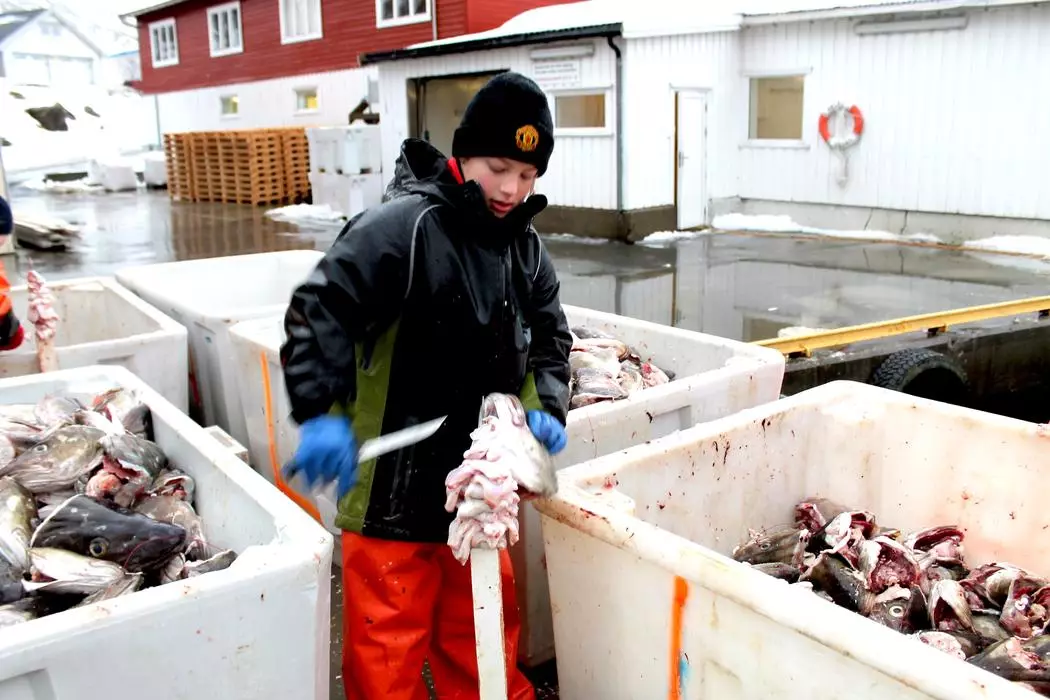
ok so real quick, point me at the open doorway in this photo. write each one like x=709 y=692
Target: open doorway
x=436 y=105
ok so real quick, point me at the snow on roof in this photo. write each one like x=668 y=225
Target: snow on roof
x=637 y=18
x=11 y=22
x=666 y=17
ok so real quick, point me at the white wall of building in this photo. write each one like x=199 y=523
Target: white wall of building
x=45 y=52
x=582 y=170
x=654 y=68
x=953 y=118
x=267 y=103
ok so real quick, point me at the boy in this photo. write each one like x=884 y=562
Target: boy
x=439 y=296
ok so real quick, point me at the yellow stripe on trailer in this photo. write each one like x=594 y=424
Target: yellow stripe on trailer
x=932 y=323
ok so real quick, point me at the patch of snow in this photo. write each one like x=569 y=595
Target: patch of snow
x=795 y=331
x=1029 y=245
x=779 y=223
x=662 y=238
x=79 y=186
x=307 y=213
x=573 y=238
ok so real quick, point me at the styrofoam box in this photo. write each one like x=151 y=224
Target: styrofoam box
x=208 y=296
x=154 y=170
x=344 y=150
x=102 y=323
x=714 y=377
x=259 y=629
x=624 y=526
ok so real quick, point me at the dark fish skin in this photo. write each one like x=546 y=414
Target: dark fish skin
x=135 y=454
x=834 y=576
x=10 y=583
x=58 y=461
x=1008 y=657
x=900 y=609
x=782 y=545
x=88 y=527
x=987 y=626
x=784 y=572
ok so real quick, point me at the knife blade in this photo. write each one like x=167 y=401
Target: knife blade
x=370 y=449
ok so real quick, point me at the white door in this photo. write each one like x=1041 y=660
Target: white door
x=692 y=158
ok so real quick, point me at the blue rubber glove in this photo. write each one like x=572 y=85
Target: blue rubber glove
x=327 y=451
x=548 y=431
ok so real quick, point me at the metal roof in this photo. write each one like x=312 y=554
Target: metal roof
x=153 y=7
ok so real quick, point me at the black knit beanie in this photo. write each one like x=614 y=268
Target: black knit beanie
x=508 y=118
x=7 y=220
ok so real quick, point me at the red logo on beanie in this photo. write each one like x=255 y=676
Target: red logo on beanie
x=527 y=138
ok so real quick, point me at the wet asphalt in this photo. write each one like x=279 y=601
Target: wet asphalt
x=740 y=286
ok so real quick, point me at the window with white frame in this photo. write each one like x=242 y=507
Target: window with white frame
x=391 y=13
x=229 y=105
x=776 y=108
x=224 y=29
x=164 y=43
x=306 y=99
x=580 y=110
x=300 y=20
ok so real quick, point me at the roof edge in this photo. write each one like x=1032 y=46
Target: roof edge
x=155 y=7
x=491 y=42
x=899 y=8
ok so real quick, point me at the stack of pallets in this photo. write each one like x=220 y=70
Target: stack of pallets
x=244 y=166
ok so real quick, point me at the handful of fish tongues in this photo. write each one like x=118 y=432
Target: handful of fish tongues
x=995 y=616
x=503 y=457
x=90 y=507
x=606 y=369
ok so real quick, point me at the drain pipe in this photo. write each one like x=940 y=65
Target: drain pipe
x=434 y=18
x=619 y=124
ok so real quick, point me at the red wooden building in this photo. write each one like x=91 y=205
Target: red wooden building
x=217 y=64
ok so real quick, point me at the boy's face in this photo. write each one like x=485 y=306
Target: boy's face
x=505 y=182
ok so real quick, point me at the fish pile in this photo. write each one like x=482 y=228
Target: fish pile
x=607 y=369
x=90 y=507
x=995 y=616
x=503 y=456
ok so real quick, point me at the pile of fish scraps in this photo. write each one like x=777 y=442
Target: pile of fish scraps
x=995 y=616
x=607 y=369
x=90 y=507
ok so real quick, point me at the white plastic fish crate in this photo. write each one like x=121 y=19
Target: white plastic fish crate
x=208 y=296
x=713 y=378
x=259 y=629
x=625 y=530
x=101 y=323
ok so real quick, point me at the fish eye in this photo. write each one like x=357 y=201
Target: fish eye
x=765 y=545
x=98 y=547
x=897 y=611
x=40 y=448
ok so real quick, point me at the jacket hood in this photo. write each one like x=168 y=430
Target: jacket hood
x=422 y=169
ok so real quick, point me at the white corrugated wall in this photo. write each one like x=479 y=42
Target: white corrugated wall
x=267 y=103
x=582 y=170
x=654 y=68
x=954 y=119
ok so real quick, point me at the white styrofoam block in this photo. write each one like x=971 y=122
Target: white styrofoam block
x=118 y=177
x=101 y=322
x=258 y=629
x=208 y=296
x=626 y=529
x=345 y=150
x=714 y=377
x=154 y=170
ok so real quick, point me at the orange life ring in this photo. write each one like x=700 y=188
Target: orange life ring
x=858 y=124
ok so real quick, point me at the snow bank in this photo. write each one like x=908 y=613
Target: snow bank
x=776 y=223
x=307 y=213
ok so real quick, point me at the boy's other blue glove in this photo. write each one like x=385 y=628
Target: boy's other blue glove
x=548 y=431
x=327 y=451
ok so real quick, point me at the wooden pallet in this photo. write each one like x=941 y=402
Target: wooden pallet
x=247 y=166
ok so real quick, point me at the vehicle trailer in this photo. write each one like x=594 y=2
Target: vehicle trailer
x=994 y=357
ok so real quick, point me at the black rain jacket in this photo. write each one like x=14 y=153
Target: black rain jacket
x=421 y=307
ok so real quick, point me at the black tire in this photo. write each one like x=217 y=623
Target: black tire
x=924 y=373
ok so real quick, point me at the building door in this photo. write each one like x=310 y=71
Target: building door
x=439 y=106
x=691 y=158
